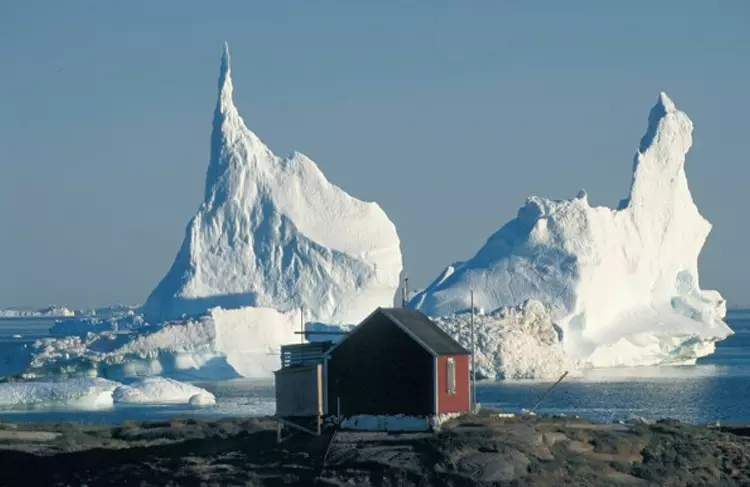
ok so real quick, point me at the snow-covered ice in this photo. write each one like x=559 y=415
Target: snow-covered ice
x=274 y=232
x=622 y=284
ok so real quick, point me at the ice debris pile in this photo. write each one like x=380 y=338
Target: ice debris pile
x=97 y=393
x=622 y=284
x=274 y=232
x=518 y=342
x=222 y=344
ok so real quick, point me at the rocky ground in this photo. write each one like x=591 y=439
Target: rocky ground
x=481 y=450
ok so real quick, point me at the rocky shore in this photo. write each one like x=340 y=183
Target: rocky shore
x=479 y=450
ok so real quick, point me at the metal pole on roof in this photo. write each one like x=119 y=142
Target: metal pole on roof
x=473 y=363
x=302 y=324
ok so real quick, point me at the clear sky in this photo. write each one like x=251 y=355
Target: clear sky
x=448 y=113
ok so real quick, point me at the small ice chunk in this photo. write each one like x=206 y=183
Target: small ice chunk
x=160 y=390
x=202 y=399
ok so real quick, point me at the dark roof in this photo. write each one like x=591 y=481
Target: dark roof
x=425 y=331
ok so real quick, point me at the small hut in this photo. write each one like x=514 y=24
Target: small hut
x=396 y=363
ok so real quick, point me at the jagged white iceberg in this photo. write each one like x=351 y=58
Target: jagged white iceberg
x=622 y=283
x=274 y=232
x=518 y=342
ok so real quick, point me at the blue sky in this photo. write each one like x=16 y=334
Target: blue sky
x=447 y=113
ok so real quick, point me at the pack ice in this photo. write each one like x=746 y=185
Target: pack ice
x=274 y=232
x=622 y=284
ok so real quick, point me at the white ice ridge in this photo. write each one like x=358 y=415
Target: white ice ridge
x=274 y=232
x=622 y=283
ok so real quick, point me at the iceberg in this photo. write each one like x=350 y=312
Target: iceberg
x=273 y=245
x=273 y=232
x=622 y=284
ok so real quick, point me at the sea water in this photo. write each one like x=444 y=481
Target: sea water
x=715 y=389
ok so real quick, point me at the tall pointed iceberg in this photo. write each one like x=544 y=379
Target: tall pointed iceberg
x=622 y=284
x=274 y=232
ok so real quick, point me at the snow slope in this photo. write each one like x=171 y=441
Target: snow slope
x=622 y=283
x=274 y=232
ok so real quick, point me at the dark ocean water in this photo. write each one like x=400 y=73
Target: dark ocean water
x=715 y=389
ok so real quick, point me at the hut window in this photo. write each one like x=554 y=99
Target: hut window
x=451 y=377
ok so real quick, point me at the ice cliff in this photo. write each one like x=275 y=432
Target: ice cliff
x=622 y=284
x=274 y=232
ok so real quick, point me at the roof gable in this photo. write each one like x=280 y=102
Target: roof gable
x=419 y=327
x=426 y=331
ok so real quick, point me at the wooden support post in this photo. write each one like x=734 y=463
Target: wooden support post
x=546 y=393
x=473 y=362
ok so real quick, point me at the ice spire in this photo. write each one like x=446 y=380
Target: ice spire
x=658 y=165
x=273 y=232
x=663 y=107
x=225 y=102
x=228 y=129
